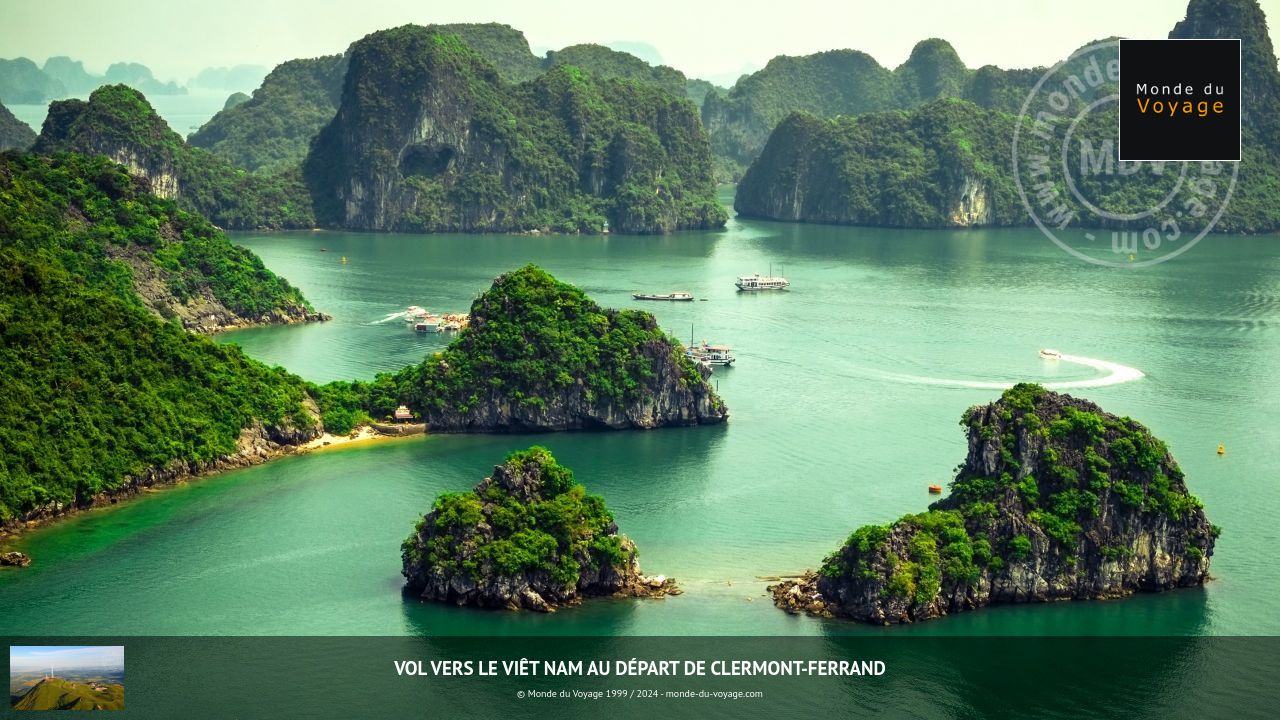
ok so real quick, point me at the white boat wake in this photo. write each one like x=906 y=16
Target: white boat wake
x=1116 y=374
x=389 y=318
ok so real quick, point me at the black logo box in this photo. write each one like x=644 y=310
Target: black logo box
x=1185 y=64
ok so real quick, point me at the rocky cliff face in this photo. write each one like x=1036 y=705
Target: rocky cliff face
x=117 y=122
x=1056 y=500
x=526 y=537
x=14 y=134
x=888 y=169
x=428 y=137
x=539 y=355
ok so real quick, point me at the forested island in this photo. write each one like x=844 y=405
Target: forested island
x=1056 y=500
x=527 y=537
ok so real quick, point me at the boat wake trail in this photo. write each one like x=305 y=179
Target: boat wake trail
x=389 y=318
x=1116 y=374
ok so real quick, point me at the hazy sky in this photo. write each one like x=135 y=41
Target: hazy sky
x=710 y=39
x=64 y=657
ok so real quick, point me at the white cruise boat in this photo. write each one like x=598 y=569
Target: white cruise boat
x=712 y=354
x=756 y=281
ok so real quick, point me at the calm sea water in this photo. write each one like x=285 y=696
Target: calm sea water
x=845 y=405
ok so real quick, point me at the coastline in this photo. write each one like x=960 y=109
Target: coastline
x=156 y=479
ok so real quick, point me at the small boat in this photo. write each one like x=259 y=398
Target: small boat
x=935 y=489
x=1222 y=449
x=670 y=297
x=1050 y=354
x=711 y=354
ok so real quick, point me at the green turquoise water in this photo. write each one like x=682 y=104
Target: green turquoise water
x=844 y=407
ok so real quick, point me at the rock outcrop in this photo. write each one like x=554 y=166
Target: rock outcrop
x=526 y=537
x=14 y=559
x=887 y=169
x=14 y=134
x=429 y=137
x=118 y=122
x=540 y=355
x=1056 y=500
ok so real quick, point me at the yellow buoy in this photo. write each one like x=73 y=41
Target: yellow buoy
x=344 y=259
x=1222 y=449
x=1131 y=257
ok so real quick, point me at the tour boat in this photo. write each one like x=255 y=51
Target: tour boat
x=756 y=281
x=674 y=297
x=413 y=313
x=712 y=354
x=1050 y=354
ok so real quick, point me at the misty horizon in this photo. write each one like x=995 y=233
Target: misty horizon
x=711 y=42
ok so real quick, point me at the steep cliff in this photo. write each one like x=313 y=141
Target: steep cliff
x=1056 y=500
x=118 y=122
x=945 y=165
x=527 y=537
x=298 y=98
x=14 y=134
x=430 y=138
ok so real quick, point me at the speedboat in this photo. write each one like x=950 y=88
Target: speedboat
x=1050 y=354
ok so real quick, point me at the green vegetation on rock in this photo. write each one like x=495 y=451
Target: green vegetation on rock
x=96 y=392
x=1056 y=499
x=554 y=529
x=945 y=164
x=608 y=64
x=540 y=354
x=429 y=137
x=117 y=121
x=272 y=131
x=529 y=536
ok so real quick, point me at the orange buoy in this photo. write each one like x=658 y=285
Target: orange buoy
x=935 y=489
